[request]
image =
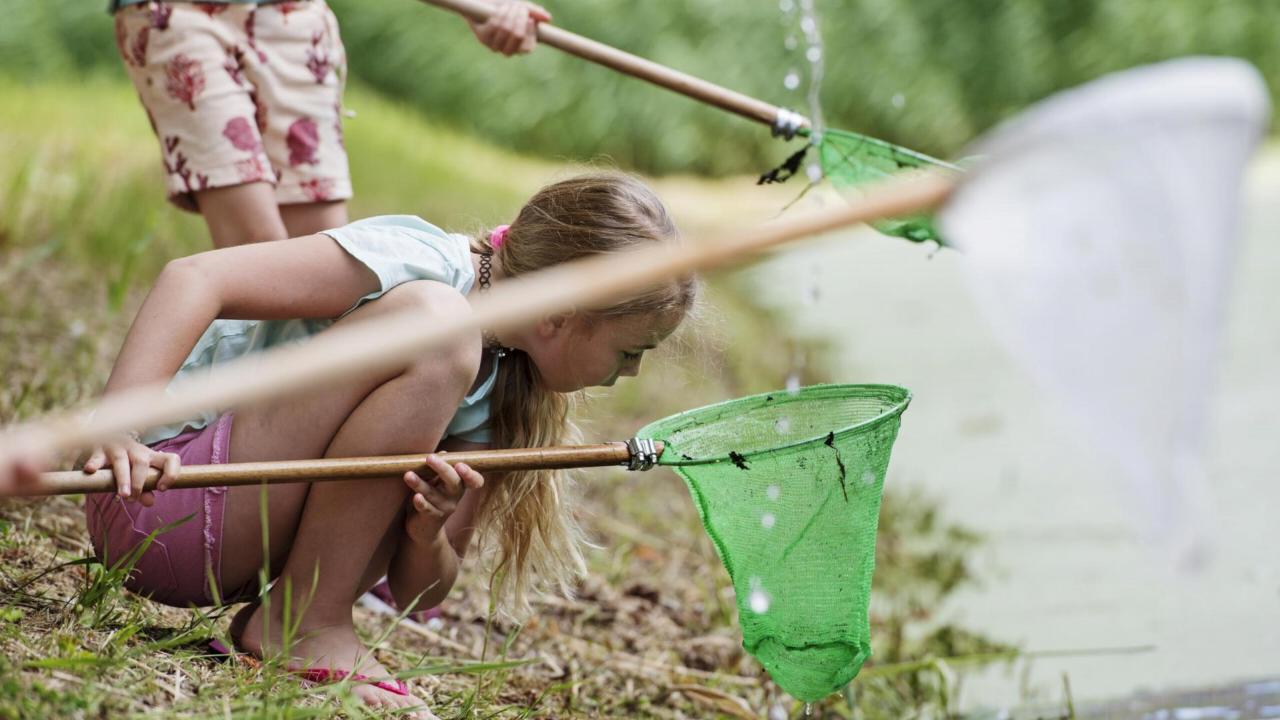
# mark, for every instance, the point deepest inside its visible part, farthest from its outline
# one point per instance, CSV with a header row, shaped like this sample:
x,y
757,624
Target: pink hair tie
x,y
498,236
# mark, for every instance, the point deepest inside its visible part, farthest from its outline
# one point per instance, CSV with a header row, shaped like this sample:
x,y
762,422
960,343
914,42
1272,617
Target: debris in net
x,y
831,443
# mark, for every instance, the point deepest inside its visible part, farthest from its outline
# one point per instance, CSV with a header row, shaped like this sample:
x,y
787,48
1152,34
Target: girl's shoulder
x,y
393,222
395,230
400,248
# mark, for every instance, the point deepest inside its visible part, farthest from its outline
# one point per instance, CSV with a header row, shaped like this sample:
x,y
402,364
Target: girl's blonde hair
x,y
527,526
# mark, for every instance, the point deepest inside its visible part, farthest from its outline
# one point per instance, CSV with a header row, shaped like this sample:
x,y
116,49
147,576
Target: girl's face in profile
x,y
578,351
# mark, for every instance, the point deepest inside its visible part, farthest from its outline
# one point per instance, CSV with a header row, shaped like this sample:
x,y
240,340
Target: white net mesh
x,y
1099,238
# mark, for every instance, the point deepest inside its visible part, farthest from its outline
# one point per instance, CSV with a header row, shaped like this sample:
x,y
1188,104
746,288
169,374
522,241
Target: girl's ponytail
x,y
527,525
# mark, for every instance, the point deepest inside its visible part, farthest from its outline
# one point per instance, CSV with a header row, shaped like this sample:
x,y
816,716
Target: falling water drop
x,y
793,383
768,520
869,477
790,43
814,171
813,54
808,710
898,100
758,599
786,6
791,81
808,25
773,492
782,425
811,293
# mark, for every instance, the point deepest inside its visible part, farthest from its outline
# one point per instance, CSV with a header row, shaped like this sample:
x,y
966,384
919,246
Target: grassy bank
x,y
84,229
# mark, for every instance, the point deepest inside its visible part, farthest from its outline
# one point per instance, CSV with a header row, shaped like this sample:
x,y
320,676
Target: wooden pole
x,y
290,471
624,62
392,341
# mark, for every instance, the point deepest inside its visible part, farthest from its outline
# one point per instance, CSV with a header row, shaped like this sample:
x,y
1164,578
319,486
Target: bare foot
x,y
335,648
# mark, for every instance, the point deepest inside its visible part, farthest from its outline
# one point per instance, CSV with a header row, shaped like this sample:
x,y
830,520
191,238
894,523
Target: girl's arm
x,y
305,277
437,534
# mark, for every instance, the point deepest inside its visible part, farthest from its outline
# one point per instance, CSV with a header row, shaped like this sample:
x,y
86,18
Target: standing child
x,y
245,97
331,541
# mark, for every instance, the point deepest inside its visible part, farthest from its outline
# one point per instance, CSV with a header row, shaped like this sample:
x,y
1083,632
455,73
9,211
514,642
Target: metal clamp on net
x,y
644,454
787,123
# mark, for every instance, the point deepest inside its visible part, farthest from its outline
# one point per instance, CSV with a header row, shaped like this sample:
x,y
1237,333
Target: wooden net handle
x,y
638,67
290,471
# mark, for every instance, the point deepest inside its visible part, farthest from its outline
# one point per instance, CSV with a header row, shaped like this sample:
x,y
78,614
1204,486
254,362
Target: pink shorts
x,y
177,567
241,93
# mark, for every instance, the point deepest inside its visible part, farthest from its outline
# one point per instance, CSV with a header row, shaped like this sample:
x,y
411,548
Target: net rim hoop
x,y
902,398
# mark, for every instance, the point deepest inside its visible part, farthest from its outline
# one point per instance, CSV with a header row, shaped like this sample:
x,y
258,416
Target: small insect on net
x,y
788,487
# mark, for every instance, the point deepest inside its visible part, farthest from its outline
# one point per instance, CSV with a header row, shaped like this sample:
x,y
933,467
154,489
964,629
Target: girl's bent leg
x,y
324,537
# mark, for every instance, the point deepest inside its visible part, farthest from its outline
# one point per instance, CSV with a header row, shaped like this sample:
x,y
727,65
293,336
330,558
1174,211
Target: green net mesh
x,y
849,160
788,487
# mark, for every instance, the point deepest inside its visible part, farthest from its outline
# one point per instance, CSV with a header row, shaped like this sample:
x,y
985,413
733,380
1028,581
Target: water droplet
x,y
791,81
899,100
435,624
793,383
773,492
808,710
782,425
814,171
869,477
767,521
813,54
786,6
806,5
808,25
759,601
811,294
790,43
77,328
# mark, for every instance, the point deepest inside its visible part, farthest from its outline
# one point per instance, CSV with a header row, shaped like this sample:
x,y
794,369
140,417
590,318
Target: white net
x,y
1099,231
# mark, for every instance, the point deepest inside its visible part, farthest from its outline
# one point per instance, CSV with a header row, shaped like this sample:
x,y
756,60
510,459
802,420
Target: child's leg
x,y
248,213
311,218
241,214
329,538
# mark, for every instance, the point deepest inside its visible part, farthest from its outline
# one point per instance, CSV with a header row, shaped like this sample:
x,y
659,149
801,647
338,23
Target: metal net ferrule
x,y
787,123
644,454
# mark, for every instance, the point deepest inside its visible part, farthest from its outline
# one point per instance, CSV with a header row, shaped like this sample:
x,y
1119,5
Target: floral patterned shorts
x,y
241,93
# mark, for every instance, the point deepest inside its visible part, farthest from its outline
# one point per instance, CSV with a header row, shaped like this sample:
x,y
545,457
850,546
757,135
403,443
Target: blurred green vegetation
x,y
929,74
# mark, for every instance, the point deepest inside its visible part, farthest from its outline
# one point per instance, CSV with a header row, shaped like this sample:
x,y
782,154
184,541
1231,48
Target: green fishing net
x,y
788,487
850,160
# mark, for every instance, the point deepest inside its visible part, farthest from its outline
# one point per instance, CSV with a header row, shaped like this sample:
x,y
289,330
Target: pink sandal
x,y
318,676
325,676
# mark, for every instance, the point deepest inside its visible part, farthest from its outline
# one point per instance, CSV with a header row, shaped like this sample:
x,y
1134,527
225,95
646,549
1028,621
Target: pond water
x,y
1062,569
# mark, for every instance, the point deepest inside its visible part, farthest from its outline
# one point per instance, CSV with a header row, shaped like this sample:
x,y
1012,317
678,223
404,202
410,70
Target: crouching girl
x,y
330,542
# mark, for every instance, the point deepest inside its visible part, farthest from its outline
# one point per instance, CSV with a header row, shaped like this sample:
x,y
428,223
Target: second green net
x,y
788,487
